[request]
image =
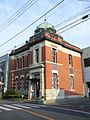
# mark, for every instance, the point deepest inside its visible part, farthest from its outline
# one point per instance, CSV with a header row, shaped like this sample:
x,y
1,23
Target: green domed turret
x,y
45,26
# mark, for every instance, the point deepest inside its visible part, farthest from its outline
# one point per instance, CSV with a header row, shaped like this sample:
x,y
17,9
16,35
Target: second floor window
x,y
70,60
22,61
17,63
37,55
28,60
54,55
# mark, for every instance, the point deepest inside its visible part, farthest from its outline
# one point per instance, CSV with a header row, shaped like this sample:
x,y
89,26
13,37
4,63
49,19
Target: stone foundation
x,y
51,95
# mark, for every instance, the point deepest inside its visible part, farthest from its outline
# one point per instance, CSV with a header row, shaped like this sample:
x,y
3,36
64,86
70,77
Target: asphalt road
x,y
27,111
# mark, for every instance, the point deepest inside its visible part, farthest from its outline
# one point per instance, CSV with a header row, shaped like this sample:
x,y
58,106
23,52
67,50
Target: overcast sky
x,y
78,36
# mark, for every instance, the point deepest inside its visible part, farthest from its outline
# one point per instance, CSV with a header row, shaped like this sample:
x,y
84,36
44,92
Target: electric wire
x,y
9,50
74,16
55,26
69,24
32,23
83,18
61,7
17,14
58,33
73,26
84,0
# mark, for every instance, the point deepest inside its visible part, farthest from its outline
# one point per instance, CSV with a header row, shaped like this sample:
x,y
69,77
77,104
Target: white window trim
x,y
55,71
72,89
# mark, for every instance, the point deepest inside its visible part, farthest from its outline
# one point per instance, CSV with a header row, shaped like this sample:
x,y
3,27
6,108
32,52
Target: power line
x,y
74,16
84,0
83,18
14,13
9,50
69,25
17,14
65,4
32,23
72,26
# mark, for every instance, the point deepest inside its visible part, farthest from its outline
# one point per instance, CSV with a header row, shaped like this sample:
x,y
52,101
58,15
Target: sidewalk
x,y
72,101
67,101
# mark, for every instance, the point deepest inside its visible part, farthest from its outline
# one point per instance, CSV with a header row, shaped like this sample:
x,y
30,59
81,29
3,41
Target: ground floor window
x,y
27,83
55,81
16,84
22,84
71,82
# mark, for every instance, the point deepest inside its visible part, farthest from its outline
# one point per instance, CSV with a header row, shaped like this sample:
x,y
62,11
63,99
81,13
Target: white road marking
x,y
4,108
42,105
32,105
22,106
26,105
12,106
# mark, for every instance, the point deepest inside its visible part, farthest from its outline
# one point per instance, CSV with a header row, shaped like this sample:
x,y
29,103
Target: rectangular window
x,y
31,57
22,61
70,60
71,70
54,55
17,63
71,82
55,81
37,55
22,83
28,83
28,60
16,84
87,62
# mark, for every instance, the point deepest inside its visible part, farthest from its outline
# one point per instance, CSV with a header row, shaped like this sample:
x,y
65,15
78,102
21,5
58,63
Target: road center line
x,y
37,114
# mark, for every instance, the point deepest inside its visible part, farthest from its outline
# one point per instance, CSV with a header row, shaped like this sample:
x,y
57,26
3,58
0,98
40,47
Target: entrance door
x,y
37,87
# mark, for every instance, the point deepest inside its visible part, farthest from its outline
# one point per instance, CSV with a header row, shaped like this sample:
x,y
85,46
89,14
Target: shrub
x,y
10,92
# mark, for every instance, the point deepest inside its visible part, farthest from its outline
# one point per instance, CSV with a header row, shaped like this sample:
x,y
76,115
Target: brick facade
x,y
53,80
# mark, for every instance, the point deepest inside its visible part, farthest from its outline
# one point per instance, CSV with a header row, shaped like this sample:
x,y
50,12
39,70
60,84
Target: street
x,y
27,111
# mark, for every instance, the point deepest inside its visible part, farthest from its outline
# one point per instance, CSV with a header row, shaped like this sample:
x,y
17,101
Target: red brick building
x,y
46,66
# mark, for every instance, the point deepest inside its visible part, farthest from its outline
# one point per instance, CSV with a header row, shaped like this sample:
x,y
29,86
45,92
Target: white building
x,y
4,75
86,70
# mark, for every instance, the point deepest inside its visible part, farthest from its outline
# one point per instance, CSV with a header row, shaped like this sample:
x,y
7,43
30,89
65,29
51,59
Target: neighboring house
x,y
4,66
46,66
86,70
